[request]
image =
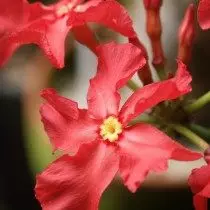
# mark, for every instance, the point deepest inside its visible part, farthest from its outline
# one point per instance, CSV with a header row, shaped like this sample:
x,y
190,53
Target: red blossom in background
x,y
204,14
154,30
47,26
153,4
186,35
100,137
199,182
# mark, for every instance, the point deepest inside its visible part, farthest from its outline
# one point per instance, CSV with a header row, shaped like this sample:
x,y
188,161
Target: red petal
x,y
204,14
67,135
135,41
108,13
12,14
36,27
38,10
85,36
200,202
152,94
199,178
78,182
64,106
143,149
116,65
199,181
42,32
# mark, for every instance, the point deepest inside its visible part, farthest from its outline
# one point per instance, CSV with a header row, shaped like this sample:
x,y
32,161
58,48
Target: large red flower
x,y
101,138
199,182
204,14
47,26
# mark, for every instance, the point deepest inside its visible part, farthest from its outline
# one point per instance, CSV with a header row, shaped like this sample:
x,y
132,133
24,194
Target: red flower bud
x,y
204,14
152,4
145,75
154,30
186,35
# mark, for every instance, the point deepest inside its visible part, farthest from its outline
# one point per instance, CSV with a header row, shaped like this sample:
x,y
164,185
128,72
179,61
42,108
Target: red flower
x,y
204,14
106,12
101,138
199,182
47,26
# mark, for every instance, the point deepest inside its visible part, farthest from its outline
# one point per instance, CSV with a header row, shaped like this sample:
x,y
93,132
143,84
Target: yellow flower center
x,y
110,129
64,9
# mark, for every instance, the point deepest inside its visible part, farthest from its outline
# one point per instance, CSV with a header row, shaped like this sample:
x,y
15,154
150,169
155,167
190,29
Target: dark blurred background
x,y
25,150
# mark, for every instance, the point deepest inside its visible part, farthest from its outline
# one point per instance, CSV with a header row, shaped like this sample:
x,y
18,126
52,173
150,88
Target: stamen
x,y
63,10
70,6
110,129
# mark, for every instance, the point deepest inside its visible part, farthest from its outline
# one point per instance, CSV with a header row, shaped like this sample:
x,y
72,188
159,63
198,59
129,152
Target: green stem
x,y
194,138
196,1
161,73
199,103
132,85
144,119
202,131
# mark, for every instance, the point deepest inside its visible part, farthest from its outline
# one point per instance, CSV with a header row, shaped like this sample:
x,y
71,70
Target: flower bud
x,y
152,4
204,14
154,30
145,73
207,155
186,35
